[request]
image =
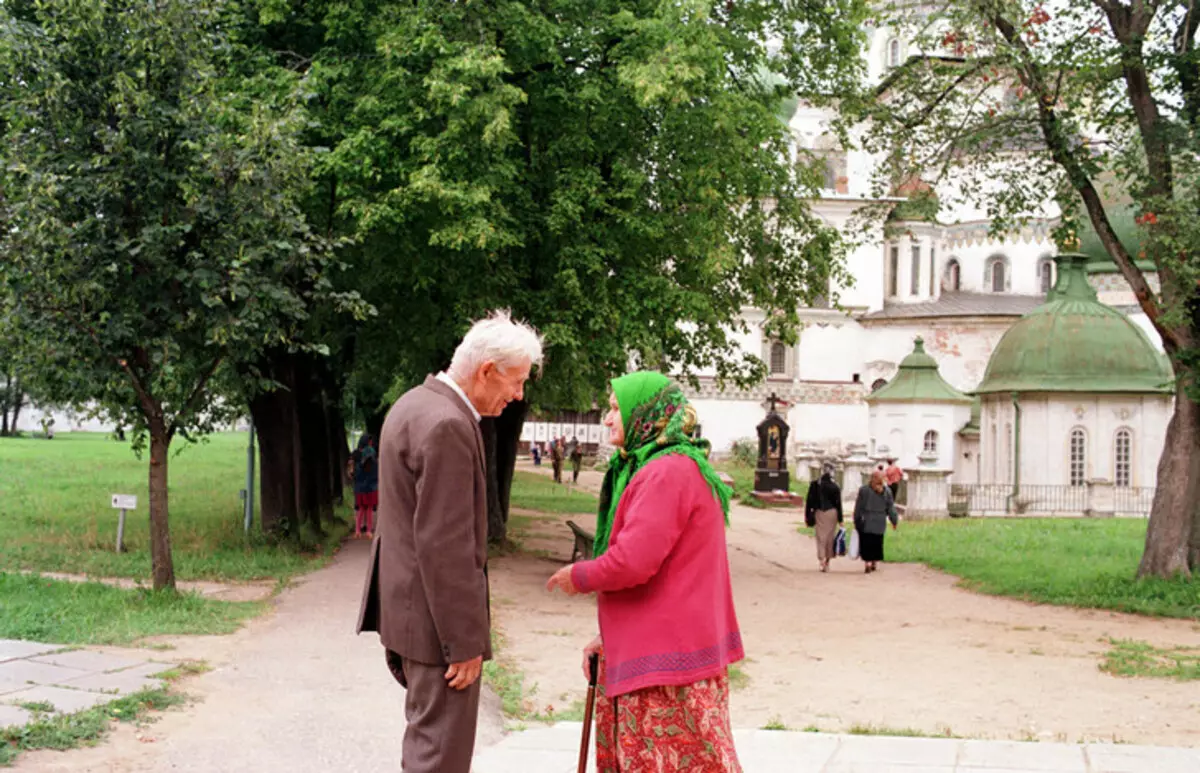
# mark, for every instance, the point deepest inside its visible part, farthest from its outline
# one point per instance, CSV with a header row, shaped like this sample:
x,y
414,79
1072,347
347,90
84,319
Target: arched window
x,y
778,359
931,440
894,271
878,384
893,52
1123,457
915,275
1045,274
997,274
1078,459
952,276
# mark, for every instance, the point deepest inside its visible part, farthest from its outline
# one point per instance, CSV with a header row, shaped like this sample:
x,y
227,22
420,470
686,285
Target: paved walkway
x,y
58,679
556,750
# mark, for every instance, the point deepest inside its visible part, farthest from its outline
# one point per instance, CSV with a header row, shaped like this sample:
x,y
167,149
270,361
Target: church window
x,y
778,359
1078,468
893,52
894,272
1123,457
932,268
952,279
1046,274
878,384
997,272
931,441
914,287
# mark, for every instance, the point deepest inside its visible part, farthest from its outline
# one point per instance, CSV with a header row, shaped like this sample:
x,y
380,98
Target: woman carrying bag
x,y
823,512
872,510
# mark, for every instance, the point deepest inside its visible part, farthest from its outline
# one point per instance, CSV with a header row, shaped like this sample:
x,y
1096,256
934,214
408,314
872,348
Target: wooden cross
x,y
773,399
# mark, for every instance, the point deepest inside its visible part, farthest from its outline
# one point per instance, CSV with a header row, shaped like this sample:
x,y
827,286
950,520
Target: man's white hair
x,y
496,338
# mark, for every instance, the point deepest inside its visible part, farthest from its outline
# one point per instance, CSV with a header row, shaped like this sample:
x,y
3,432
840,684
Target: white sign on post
x,y
124,502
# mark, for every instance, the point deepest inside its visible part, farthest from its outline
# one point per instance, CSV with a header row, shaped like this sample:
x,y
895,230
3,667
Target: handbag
x,y
839,542
853,552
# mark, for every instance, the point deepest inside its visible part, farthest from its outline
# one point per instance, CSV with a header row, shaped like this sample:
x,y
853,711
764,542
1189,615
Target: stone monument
x,y
771,474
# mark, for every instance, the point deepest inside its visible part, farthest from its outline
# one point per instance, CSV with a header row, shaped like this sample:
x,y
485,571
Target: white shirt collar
x,y
445,379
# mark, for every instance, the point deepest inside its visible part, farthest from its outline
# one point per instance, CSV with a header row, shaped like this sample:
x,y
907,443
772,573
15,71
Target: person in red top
x,y
893,475
668,630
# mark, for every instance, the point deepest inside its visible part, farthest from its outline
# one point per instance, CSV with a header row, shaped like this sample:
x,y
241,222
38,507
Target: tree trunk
x,y
272,412
162,566
16,401
339,451
501,437
1173,515
4,403
310,457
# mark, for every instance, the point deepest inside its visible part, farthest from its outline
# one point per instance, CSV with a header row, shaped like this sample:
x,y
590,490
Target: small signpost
x,y
124,503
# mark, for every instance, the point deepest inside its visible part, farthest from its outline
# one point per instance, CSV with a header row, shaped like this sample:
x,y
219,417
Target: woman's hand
x,y
562,580
593,647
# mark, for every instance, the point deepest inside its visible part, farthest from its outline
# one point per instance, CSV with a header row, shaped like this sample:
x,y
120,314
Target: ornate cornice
x,y
811,392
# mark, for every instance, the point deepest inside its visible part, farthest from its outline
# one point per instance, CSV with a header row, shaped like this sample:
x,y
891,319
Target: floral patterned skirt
x,y
666,729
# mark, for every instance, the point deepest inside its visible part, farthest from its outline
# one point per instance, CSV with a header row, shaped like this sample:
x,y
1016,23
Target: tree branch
x,y
1061,149
189,407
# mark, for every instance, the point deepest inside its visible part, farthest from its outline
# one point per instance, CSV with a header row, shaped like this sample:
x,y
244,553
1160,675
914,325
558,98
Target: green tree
x,y
154,229
614,172
1095,109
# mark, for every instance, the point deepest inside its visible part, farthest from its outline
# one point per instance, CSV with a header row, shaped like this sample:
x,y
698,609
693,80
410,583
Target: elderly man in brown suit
x,y
426,591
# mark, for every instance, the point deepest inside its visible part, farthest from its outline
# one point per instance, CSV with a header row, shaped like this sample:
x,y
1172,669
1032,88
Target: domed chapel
x,y
1074,392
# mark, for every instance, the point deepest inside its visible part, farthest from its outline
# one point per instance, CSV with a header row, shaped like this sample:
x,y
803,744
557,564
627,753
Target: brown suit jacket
x,y
426,591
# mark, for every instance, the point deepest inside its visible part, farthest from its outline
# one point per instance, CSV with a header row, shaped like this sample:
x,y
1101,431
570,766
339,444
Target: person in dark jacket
x,y
872,510
575,453
823,511
366,487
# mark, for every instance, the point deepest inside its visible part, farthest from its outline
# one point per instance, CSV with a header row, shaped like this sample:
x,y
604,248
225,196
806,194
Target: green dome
x,y
1074,343
918,381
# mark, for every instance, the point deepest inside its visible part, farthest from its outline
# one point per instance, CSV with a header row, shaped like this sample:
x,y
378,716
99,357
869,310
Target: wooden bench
x,y
584,543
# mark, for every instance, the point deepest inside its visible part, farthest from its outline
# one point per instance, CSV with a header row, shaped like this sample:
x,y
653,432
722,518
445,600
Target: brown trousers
x,y
826,532
440,737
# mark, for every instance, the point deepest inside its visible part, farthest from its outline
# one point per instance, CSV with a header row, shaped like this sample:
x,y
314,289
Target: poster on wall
x,y
555,430
527,432
580,432
595,433
541,432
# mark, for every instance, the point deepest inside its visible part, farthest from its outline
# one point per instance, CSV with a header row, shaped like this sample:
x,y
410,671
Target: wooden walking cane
x,y
593,669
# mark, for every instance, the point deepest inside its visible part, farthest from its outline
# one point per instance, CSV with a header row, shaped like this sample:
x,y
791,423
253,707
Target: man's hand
x,y
562,580
463,675
593,647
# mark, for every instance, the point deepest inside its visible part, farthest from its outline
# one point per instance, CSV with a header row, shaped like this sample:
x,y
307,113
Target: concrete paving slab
x,y
148,669
932,752
64,701
495,760
771,749
868,767
114,684
8,685
14,716
88,660
1105,758
564,736
1015,755
37,673
11,649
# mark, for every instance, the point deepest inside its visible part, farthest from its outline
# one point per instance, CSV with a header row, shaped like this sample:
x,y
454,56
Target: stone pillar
x,y
805,460
928,491
1101,499
856,471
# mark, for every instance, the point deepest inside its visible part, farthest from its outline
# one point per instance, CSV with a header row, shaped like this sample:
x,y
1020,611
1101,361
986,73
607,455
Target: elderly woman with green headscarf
x,y
668,630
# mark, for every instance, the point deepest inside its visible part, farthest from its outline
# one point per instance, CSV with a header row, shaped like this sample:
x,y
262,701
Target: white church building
x,y
960,291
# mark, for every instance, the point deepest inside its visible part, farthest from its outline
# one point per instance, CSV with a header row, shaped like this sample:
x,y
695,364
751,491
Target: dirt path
x,y
295,691
902,648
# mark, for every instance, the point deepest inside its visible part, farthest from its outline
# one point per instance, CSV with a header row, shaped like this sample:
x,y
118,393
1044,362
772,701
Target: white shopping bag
x,y
852,551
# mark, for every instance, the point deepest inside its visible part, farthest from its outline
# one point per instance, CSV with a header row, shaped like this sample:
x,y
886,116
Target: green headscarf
x,y
658,421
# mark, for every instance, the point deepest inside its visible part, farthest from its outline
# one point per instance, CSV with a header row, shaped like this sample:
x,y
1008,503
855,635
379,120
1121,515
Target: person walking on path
x,y
366,487
872,510
823,511
893,475
668,631
556,459
575,451
426,588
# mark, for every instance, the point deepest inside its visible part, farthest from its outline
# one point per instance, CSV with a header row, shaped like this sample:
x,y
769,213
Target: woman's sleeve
x,y
858,506
893,516
838,501
810,502
655,513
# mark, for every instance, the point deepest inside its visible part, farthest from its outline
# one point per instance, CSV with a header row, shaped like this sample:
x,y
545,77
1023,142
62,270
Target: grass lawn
x,y
1067,561
56,514
531,491
59,612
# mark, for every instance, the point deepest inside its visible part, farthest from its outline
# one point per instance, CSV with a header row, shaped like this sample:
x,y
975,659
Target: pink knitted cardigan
x,y
664,593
